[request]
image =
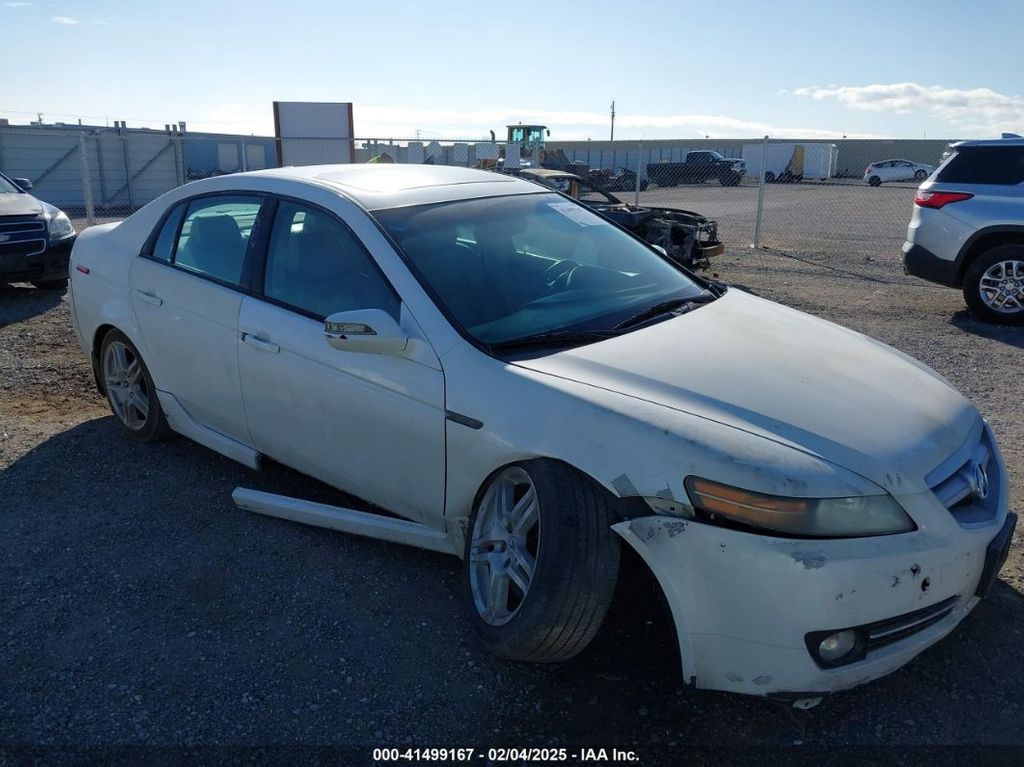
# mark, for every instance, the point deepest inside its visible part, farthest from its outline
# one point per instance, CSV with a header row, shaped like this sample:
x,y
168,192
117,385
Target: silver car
x,y
967,230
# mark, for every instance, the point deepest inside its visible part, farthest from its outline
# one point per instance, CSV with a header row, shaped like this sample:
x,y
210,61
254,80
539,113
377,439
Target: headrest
x,y
220,230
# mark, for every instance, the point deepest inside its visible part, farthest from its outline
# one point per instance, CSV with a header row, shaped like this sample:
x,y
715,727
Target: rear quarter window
x,y
1001,165
163,246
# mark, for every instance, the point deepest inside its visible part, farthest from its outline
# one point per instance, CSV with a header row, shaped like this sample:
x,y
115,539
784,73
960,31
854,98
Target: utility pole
x,y
613,120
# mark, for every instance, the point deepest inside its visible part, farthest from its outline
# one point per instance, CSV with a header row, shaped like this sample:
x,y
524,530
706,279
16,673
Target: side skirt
x,y
345,520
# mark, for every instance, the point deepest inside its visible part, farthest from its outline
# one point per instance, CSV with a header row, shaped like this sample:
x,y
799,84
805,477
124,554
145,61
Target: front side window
x,y
315,264
509,267
215,235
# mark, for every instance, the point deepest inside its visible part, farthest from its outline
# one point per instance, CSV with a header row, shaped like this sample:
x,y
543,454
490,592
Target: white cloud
x,y
65,20
102,23
17,5
981,110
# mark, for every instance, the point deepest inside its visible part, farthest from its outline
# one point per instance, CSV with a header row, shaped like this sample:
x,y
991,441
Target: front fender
x,y
631,447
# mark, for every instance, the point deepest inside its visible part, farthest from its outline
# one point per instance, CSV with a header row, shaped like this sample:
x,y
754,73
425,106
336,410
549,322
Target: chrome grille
x,y
20,236
970,487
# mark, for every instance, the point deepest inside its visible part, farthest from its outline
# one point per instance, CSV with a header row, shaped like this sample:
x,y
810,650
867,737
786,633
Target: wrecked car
x,y
526,386
686,237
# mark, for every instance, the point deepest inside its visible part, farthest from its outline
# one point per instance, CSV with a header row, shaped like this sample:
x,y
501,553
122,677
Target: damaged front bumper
x,y
747,607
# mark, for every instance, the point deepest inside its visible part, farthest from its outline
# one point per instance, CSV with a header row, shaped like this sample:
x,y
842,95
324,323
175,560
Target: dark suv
x,y
967,230
35,237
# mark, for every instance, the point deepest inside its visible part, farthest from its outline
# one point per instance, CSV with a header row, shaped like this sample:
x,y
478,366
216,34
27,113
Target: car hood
x,y
13,204
786,376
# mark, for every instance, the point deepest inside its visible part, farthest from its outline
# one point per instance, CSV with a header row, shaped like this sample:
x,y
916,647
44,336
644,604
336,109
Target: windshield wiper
x,y
672,306
556,338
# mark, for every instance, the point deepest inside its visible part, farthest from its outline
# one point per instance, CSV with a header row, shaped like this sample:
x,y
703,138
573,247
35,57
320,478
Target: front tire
x,y
994,285
920,175
875,181
541,562
130,391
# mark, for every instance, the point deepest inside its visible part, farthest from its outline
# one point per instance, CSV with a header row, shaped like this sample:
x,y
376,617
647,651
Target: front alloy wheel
x,y
541,561
504,545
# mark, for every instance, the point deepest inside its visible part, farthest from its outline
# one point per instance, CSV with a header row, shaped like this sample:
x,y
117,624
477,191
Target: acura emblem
x,y
979,481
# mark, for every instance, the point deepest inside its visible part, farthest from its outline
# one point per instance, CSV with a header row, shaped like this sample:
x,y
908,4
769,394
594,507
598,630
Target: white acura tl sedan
x,y
525,385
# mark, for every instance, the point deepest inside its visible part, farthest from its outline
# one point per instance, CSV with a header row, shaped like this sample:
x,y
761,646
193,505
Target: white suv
x,y
967,230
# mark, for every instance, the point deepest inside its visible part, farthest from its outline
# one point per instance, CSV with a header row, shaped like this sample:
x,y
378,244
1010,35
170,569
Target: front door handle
x,y
149,298
259,343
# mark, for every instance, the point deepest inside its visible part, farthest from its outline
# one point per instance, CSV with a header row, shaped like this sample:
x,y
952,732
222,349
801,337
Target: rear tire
x,y
994,285
920,175
554,536
875,181
60,284
130,391
769,177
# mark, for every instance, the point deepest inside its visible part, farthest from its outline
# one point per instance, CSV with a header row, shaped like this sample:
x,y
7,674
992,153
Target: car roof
x,y
384,185
989,142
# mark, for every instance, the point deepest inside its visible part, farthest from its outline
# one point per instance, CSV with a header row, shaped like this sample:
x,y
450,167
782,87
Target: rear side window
x,y
1003,165
215,235
163,248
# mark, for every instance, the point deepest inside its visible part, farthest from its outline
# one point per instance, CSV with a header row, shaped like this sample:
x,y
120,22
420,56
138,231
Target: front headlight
x,y
813,517
60,226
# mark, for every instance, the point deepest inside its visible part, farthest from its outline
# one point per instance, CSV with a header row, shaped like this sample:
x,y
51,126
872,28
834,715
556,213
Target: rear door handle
x,y
259,343
149,298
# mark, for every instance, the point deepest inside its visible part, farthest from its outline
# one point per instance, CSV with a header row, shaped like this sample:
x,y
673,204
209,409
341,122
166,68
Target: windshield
x,y
6,187
511,267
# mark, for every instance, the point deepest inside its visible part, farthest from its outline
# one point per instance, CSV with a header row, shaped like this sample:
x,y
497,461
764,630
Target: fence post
x,y
90,214
639,160
179,158
760,195
127,170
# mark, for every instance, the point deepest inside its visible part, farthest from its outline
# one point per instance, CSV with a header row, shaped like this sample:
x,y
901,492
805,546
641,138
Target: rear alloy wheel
x,y
130,391
541,561
920,175
994,285
875,181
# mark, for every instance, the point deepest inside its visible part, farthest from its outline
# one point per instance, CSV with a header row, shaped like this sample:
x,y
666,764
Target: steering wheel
x,y
550,277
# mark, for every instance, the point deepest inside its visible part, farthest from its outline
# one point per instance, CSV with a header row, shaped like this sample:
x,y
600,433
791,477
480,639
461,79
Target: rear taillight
x,y
868,169
939,199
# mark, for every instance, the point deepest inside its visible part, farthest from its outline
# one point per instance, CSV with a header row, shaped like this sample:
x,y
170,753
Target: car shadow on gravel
x,y
21,302
140,606
1007,334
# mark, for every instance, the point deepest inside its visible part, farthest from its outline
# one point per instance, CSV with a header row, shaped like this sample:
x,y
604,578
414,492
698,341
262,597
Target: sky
x,y
455,69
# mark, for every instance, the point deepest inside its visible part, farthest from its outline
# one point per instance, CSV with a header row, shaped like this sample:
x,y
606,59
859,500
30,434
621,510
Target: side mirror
x,y
372,331
22,183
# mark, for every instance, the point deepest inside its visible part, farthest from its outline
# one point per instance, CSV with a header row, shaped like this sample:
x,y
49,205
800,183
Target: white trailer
x,y
791,161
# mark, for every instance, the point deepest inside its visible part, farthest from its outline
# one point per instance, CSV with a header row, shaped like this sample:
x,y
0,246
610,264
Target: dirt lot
x,y
140,607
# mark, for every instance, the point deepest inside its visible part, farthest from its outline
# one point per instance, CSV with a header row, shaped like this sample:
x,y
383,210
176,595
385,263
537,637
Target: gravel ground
x,y
140,607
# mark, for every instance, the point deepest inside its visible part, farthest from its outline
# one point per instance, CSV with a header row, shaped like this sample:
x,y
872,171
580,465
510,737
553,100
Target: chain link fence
x,y
795,196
